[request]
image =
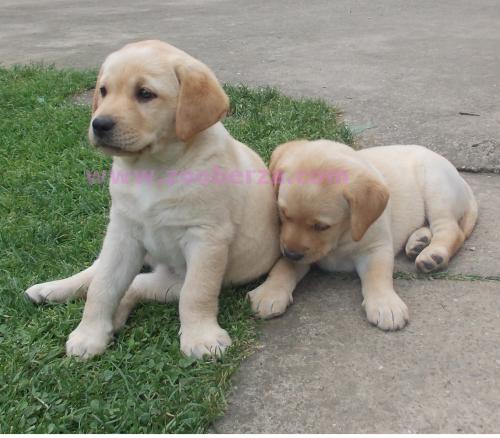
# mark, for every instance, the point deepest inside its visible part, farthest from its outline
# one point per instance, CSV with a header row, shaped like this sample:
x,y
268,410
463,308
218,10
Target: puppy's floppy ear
x,y
201,103
276,164
274,169
97,92
367,197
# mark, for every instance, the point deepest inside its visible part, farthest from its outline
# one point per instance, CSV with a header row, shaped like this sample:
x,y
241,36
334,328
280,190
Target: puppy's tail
x,y
469,218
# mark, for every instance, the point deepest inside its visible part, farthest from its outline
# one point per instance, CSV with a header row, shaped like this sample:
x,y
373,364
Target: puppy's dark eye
x,y
145,94
320,227
103,91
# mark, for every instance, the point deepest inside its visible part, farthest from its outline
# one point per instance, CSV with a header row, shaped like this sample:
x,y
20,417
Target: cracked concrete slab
x,y
481,253
421,72
322,368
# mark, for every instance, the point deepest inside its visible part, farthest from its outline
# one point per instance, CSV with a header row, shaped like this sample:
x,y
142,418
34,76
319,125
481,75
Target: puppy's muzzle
x,y
102,126
292,255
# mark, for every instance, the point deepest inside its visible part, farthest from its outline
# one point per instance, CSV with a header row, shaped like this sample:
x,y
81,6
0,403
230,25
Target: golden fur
x,y
394,197
162,111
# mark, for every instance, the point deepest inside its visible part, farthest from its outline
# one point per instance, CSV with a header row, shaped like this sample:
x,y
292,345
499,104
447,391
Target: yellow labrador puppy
x,y
347,210
157,111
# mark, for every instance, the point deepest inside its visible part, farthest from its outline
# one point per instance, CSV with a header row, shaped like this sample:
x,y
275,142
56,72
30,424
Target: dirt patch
x,y
84,98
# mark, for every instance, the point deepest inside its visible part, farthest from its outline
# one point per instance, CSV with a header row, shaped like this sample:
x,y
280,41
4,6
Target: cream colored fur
x,y
197,237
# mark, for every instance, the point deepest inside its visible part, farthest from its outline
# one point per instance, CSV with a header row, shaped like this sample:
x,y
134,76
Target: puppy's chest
x,y
162,238
164,246
161,223
339,260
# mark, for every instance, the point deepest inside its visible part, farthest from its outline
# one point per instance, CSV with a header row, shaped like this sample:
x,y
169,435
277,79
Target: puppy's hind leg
x,y
418,240
447,239
451,211
160,286
58,291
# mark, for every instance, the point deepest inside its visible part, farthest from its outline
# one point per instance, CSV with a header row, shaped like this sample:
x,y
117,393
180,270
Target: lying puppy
x,y
156,109
348,210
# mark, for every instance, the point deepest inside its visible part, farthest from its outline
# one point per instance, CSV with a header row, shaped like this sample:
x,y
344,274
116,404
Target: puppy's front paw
x,y
268,303
204,340
387,312
85,343
53,291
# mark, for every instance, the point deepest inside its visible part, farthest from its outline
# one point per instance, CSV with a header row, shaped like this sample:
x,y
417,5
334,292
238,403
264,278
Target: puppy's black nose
x,y
102,125
295,256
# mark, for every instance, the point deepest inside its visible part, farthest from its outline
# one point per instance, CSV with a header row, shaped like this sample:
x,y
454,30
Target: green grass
x,y
52,224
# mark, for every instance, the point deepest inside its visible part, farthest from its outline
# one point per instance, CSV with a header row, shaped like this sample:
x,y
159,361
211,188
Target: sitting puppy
x,y
354,210
158,110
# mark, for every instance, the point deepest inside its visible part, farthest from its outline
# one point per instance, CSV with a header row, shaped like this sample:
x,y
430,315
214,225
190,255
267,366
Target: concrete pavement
x,y
405,69
322,368
421,72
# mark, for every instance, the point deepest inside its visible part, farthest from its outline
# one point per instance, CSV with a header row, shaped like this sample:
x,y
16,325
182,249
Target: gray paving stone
x,y
322,368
